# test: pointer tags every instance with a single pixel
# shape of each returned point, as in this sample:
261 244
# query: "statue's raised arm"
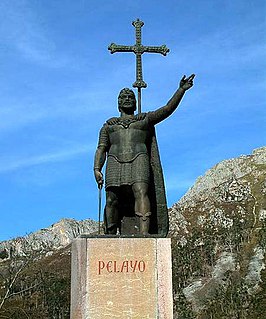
165 111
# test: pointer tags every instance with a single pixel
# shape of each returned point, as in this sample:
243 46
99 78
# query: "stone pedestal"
122 278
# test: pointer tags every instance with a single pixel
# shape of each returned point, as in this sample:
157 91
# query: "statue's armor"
128 142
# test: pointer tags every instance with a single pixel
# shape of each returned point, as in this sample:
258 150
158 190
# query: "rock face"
47 240
219 241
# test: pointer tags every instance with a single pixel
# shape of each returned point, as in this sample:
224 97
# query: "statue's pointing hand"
186 83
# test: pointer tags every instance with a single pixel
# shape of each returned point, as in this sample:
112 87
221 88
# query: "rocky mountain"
218 232
35 271
47 240
219 241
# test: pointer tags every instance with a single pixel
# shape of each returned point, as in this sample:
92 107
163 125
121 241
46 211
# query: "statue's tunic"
127 143
133 156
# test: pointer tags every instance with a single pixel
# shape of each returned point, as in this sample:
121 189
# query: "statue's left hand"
187 83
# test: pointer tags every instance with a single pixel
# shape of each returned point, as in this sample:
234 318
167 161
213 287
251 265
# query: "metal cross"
138 49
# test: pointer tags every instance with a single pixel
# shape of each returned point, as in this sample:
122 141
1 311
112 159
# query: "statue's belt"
126 158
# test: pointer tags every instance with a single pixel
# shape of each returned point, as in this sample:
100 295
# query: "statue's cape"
159 218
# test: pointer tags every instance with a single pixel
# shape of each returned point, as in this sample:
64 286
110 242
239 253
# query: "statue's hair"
128 91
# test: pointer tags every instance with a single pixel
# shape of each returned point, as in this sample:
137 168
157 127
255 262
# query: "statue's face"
127 101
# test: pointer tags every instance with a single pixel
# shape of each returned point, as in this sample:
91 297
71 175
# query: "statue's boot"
144 222
110 221
111 229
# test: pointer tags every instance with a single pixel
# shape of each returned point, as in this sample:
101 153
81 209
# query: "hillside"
219 240
218 232
47 240
35 271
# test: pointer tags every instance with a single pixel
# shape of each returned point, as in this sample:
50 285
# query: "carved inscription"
126 266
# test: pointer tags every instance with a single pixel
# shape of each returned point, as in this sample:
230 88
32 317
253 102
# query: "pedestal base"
122 278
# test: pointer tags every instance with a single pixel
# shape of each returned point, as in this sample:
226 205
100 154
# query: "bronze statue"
134 181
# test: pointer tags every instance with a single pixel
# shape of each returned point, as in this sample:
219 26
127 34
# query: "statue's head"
126 101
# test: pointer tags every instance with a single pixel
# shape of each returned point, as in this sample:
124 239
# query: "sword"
100 208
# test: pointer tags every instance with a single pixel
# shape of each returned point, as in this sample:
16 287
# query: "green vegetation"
41 289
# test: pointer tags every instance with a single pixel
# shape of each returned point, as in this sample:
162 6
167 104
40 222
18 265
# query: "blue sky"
59 83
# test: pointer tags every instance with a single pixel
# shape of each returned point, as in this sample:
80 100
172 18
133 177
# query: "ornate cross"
138 49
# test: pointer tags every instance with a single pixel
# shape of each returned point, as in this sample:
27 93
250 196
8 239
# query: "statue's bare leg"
111 212
142 205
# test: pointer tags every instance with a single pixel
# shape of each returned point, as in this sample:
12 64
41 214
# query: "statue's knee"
140 192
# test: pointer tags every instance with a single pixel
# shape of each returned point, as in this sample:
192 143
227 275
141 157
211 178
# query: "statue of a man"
127 142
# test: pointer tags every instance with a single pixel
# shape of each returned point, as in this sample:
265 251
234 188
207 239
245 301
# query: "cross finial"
138 49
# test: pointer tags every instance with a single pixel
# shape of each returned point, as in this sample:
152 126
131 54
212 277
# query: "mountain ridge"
47 240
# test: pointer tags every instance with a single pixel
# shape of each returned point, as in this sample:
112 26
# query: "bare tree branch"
7 294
